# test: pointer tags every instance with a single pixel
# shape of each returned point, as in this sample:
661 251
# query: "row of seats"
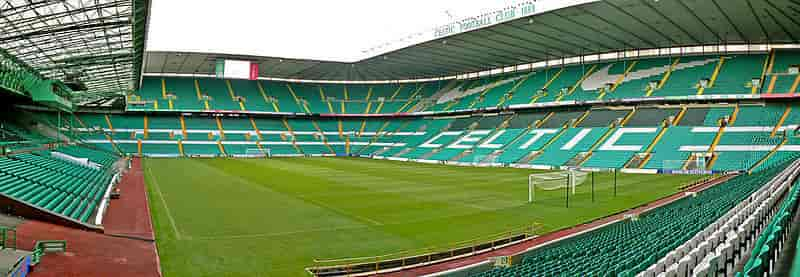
672 76
58 180
104 158
721 245
628 247
13 132
773 234
605 138
13 76
274 96
53 184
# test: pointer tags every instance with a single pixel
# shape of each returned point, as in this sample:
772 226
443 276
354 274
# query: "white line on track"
166 208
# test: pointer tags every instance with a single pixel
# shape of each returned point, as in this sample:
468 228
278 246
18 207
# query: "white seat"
660 267
702 249
649 272
683 267
692 262
670 258
718 262
672 272
701 270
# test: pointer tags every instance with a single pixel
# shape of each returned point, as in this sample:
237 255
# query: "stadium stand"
193 94
632 246
69 181
769 246
601 118
601 86
719 247
694 116
647 137
780 80
735 74
647 77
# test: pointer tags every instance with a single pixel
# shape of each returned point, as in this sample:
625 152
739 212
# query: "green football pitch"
273 217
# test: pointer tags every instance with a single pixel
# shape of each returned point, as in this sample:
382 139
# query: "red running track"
550 237
130 214
126 249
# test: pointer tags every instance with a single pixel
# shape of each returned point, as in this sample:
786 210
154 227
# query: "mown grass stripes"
272 217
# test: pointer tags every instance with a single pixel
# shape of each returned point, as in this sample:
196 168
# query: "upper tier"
729 74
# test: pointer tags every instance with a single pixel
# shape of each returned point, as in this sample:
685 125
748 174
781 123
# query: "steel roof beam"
409 62
593 29
538 43
758 19
433 58
615 25
68 13
699 19
643 23
513 53
86 27
728 20
673 23
777 22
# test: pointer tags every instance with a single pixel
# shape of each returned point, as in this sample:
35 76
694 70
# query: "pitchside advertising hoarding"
235 69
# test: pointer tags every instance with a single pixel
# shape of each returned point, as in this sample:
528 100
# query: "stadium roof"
100 40
589 28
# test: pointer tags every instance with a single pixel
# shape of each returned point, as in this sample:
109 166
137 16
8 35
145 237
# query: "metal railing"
418 257
43 247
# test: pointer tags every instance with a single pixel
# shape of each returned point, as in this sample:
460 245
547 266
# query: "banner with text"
520 9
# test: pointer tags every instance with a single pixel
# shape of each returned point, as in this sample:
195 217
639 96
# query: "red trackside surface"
94 254
130 214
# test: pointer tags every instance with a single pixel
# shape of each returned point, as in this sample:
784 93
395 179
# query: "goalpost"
258 153
554 180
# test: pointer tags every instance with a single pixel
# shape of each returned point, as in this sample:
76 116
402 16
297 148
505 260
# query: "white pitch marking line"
308 200
166 208
339 211
277 234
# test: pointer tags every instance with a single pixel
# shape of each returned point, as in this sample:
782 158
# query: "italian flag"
232 69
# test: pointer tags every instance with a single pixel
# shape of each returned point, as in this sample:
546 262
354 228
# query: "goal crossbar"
258 152
553 181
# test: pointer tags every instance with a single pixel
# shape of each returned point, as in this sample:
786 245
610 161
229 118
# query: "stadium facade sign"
518 10
515 11
484 20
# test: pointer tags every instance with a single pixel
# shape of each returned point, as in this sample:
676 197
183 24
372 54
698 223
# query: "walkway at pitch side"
126 248
550 237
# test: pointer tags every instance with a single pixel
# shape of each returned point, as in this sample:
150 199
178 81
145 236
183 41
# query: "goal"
258 153
554 180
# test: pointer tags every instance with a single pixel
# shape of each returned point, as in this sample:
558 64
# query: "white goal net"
258 153
554 181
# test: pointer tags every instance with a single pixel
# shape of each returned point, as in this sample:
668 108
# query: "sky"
337 30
